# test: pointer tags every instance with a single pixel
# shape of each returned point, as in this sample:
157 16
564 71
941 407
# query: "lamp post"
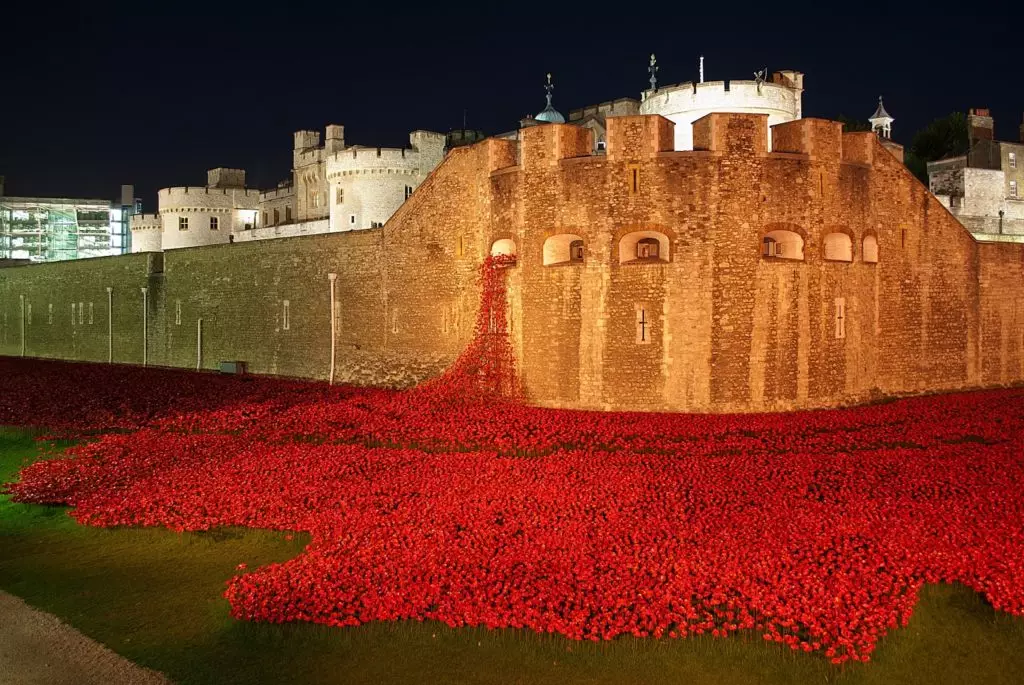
22 297
145 325
110 325
332 278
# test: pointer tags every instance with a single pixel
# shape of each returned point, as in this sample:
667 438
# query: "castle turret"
225 178
684 103
335 138
146 233
881 122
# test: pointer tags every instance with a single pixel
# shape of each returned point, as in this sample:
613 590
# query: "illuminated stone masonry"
737 276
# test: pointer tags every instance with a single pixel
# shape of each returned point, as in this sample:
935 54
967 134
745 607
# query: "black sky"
96 94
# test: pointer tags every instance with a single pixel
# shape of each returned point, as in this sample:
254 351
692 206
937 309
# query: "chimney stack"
980 125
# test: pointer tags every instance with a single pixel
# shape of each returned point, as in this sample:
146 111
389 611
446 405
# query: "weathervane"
548 87
653 69
759 78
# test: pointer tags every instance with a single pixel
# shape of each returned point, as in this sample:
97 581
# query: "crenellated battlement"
635 138
197 191
820 138
714 88
374 160
277 193
189 198
145 222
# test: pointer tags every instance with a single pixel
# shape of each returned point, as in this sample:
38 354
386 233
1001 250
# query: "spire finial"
548 87
653 69
702 68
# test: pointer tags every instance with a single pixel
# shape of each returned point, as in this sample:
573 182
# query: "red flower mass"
454 502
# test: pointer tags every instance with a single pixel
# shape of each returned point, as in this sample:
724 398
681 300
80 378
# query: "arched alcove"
783 244
644 247
838 248
869 249
505 246
564 248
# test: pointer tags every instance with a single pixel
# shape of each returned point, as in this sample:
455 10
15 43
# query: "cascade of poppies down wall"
724 327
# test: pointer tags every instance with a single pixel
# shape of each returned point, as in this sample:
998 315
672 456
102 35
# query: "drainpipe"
22 325
145 326
110 325
199 344
330 379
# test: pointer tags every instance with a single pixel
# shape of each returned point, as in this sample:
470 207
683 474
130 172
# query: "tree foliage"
850 125
945 137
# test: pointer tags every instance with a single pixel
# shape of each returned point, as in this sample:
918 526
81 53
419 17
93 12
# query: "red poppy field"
453 502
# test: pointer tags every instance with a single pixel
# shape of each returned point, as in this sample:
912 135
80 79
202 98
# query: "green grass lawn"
154 596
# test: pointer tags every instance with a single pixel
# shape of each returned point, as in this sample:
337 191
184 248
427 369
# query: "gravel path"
36 648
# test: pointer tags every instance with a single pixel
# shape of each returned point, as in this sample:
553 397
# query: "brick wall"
724 328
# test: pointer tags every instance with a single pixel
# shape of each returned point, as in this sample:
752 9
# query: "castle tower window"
643 324
352 219
576 251
564 248
601 145
264 218
90 314
1013 189
49 313
838 248
644 247
408 192
339 196
869 249
503 247
214 223
633 178
286 315
182 223
177 312
647 248
287 215
840 318
1012 159
277 217
782 244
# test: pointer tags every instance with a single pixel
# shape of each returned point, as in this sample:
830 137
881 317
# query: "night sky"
103 94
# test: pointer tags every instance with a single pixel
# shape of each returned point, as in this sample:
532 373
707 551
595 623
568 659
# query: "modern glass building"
55 229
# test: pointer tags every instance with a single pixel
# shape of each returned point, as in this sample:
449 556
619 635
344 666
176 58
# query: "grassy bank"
154 596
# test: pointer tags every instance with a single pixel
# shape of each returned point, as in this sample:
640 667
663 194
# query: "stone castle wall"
725 328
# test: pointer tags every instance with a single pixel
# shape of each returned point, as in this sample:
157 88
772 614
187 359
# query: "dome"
551 116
